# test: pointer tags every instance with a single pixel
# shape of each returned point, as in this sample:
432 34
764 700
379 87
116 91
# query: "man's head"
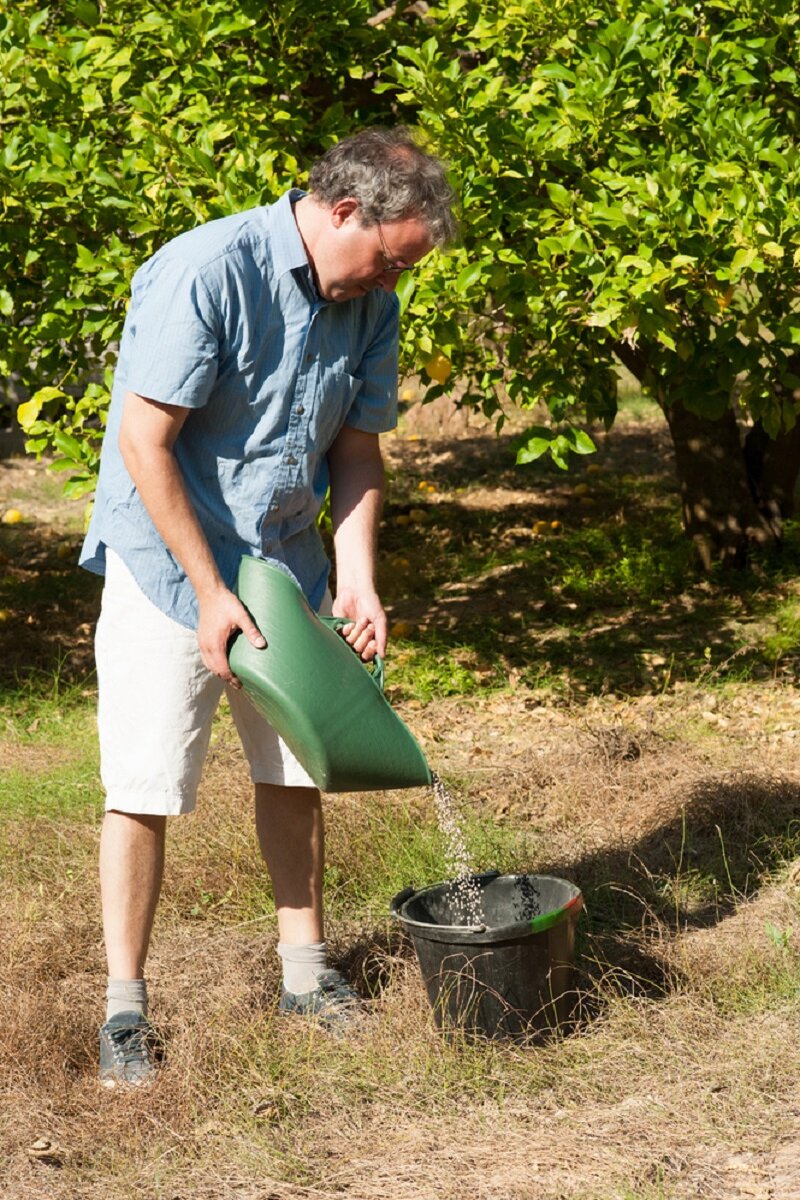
381 203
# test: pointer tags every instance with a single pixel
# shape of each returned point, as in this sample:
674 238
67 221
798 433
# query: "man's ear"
343 209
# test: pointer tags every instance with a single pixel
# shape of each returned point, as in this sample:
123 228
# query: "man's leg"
291 835
131 869
155 708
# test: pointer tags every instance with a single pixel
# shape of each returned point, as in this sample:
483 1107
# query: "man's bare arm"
357 489
146 440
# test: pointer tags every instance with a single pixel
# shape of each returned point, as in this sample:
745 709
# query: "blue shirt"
225 320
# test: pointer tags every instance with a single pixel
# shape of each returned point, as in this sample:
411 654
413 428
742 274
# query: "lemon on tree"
439 367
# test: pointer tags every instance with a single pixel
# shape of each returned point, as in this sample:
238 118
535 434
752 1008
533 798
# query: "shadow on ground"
608 600
49 607
728 837
609 597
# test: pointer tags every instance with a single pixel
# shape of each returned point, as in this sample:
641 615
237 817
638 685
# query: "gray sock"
126 995
301 965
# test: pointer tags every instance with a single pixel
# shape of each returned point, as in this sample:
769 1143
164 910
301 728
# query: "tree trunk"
720 513
734 495
773 465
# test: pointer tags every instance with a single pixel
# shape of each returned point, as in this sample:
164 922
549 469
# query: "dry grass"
680 1080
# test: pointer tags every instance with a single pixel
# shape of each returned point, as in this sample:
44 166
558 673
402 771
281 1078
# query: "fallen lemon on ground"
418 515
581 489
439 367
401 629
556 526
12 516
540 527
4 615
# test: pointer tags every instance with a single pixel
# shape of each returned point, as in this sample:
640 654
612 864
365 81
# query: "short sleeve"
374 409
172 335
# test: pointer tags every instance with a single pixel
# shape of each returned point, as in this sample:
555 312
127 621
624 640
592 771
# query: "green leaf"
724 170
580 442
538 443
743 258
82 485
28 413
534 449
45 394
468 276
405 289
559 196
68 445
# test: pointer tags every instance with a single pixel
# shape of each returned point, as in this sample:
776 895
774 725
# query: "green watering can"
317 693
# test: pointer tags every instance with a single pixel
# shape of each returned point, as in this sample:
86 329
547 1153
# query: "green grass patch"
782 642
392 846
431 669
69 790
773 984
44 710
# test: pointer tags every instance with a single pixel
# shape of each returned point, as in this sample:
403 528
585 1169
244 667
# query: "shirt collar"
288 251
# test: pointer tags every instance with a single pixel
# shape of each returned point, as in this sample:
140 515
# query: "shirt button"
300 410
291 460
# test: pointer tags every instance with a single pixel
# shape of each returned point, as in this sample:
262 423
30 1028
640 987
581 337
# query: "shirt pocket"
335 397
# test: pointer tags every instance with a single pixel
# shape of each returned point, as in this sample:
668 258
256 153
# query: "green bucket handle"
377 672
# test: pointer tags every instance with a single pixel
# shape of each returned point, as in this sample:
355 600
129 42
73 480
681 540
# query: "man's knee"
278 795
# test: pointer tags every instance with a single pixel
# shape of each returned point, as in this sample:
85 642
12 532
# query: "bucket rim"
538 924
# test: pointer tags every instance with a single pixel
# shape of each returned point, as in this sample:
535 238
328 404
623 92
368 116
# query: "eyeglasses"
389 265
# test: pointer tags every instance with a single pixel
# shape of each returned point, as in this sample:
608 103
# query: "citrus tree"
629 177
122 126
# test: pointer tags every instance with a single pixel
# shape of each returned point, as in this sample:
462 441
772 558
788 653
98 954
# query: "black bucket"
511 977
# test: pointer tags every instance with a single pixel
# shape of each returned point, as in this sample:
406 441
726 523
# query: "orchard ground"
602 713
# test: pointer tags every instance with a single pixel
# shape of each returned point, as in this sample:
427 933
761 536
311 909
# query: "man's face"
352 259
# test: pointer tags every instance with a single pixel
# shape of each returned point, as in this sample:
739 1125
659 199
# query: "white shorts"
156 704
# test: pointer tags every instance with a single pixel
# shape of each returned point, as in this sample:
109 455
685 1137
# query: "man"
258 365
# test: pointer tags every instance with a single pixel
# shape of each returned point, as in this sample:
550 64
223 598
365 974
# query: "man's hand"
367 634
221 615
357 483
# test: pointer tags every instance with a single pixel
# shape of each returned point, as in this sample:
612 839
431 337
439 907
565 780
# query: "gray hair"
391 177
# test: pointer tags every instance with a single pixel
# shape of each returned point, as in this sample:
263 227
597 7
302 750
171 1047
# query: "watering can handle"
377 670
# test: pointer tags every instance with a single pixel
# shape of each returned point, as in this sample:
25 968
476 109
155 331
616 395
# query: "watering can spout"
316 692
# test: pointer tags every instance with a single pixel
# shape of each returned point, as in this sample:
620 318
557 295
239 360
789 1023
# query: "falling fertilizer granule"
467 904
